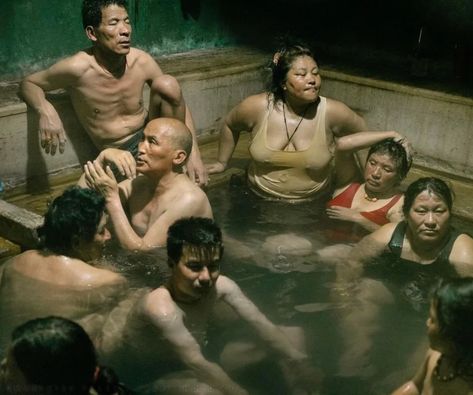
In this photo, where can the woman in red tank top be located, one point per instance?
(378, 200)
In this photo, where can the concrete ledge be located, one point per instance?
(19, 225)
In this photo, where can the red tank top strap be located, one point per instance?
(345, 198)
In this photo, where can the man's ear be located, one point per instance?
(180, 157)
(90, 33)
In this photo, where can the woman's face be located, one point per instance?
(429, 217)
(303, 80)
(380, 173)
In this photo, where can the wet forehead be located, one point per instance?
(384, 159)
(304, 62)
(160, 132)
(113, 11)
(429, 197)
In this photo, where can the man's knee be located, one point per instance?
(168, 89)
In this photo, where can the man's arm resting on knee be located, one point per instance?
(33, 88)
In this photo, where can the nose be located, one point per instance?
(428, 322)
(376, 172)
(107, 235)
(430, 220)
(204, 275)
(125, 29)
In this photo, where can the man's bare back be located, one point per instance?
(37, 283)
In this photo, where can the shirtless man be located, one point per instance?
(59, 279)
(105, 83)
(164, 331)
(157, 198)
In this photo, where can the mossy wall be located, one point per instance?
(35, 33)
(375, 35)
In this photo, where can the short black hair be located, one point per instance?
(201, 234)
(432, 185)
(396, 151)
(92, 10)
(74, 214)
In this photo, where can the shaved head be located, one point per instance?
(177, 132)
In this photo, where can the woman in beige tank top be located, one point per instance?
(293, 132)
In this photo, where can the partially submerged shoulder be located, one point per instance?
(97, 277)
(462, 255)
(159, 305)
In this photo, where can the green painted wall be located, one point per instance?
(378, 37)
(35, 33)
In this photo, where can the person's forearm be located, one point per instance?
(215, 376)
(35, 97)
(357, 141)
(125, 234)
(227, 143)
(366, 223)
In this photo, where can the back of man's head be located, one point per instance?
(74, 215)
(92, 10)
(200, 234)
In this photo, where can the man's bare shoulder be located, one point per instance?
(140, 55)
(143, 62)
(187, 194)
(159, 305)
(225, 286)
(76, 65)
(97, 277)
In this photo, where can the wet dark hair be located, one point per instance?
(92, 10)
(55, 352)
(430, 184)
(200, 234)
(453, 301)
(396, 151)
(56, 356)
(287, 54)
(74, 214)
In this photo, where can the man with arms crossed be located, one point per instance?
(159, 196)
(105, 83)
(165, 330)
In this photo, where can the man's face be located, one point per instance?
(93, 250)
(156, 151)
(114, 32)
(195, 274)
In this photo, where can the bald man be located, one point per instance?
(141, 210)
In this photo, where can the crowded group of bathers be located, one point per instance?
(63, 308)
